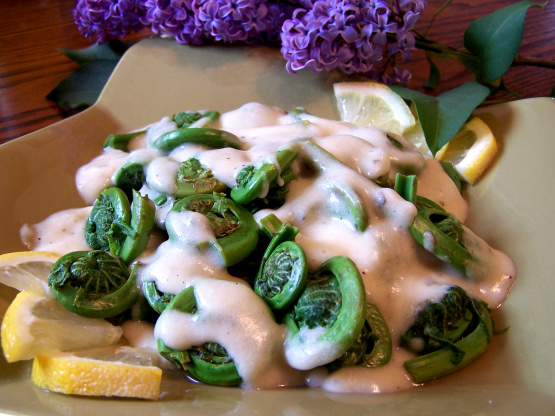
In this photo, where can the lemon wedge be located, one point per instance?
(34, 324)
(471, 151)
(110, 371)
(27, 270)
(372, 103)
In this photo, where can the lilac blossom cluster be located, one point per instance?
(368, 37)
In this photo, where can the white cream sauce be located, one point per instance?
(398, 274)
(232, 315)
(61, 232)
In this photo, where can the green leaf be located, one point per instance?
(97, 62)
(442, 117)
(83, 86)
(111, 51)
(495, 38)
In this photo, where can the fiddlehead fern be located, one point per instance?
(209, 363)
(235, 228)
(156, 299)
(373, 347)
(442, 234)
(449, 334)
(283, 275)
(193, 179)
(108, 223)
(254, 183)
(113, 227)
(94, 284)
(130, 177)
(328, 317)
(284, 267)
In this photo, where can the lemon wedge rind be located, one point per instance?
(88, 374)
(471, 151)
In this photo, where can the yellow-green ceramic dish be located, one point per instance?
(512, 208)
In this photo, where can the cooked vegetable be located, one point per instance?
(276, 194)
(399, 160)
(187, 119)
(121, 141)
(200, 135)
(284, 269)
(142, 222)
(193, 179)
(334, 304)
(344, 201)
(406, 186)
(156, 299)
(208, 363)
(440, 233)
(235, 228)
(129, 177)
(372, 348)
(449, 334)
(94, 284)
(108, 224)
(438, 323)
(255, 183)
(112, 226)
(450, 170)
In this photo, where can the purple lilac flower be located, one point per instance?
(174, 18)
(351, 35)
(233, 21)
(368, 37)
(401, 76)
(407, 13)
(333, 34)
(108, 19)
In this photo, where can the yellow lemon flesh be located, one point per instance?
(34, 324)
(27, 270)
(471, 151)
(110, 371)
(372, 103)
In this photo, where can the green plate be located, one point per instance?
(512, 208)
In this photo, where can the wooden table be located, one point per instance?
(30, 66)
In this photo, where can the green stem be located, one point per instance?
(142, 222)
(406, 186)
(206, 136)
(121, 141)
(381, 352)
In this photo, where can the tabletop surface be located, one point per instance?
(30, 65)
